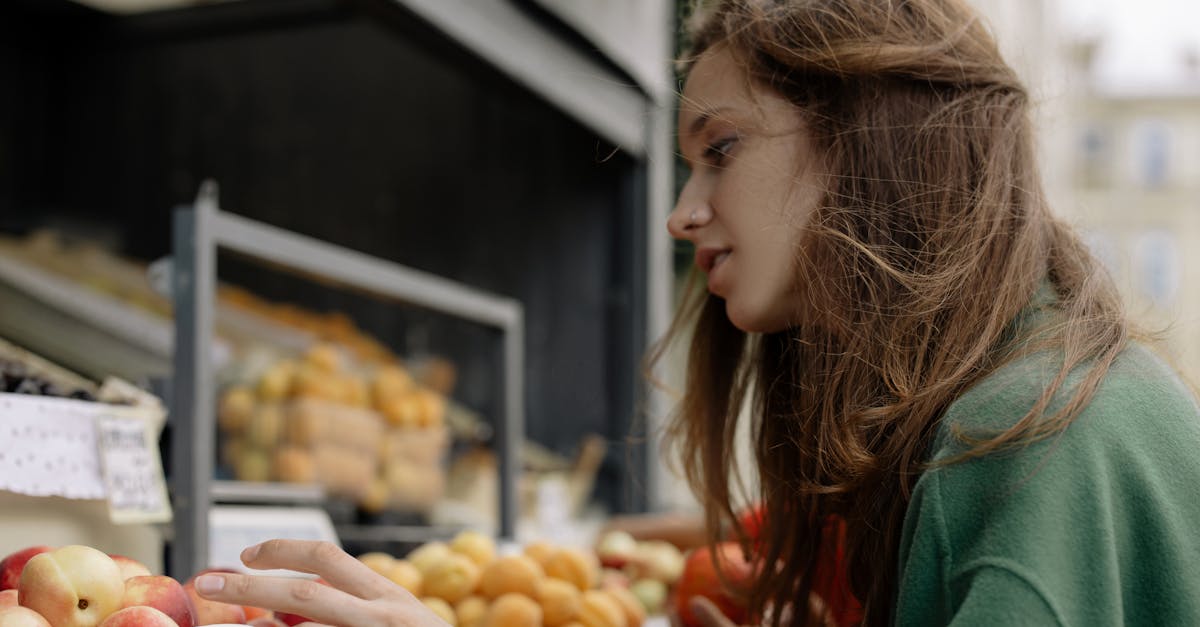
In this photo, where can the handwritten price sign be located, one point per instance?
(132, 470)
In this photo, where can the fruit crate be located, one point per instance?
(200, 231)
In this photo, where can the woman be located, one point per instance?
(932, 357)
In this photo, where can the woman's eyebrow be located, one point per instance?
(701, 120)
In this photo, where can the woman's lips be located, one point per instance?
(707, 259)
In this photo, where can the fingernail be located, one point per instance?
(209, 584)
(250, 553)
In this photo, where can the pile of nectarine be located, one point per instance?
(468, 585)
(79, 586)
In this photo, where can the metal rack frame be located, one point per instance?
(199, 231)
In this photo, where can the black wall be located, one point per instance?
(356, 123)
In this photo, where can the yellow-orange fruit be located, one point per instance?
(252, 465)
(276, 382)
(237, 406)
(540, 552)
(390, 382)
(375, 499)
(471, 611)
(405, 575)
(598, 609)
(452, 579)
(402, 411)
(356, 392)
(575, 566)
(432, 409)
(574, 623)
(514, 610)
(294, 465)
(635, 613)
(442, 609)
(513, 574)
(311, 382)
(561, 602)
(324, 357)
(265, 426)
(379, 562)
(480, 548)
(428, 555)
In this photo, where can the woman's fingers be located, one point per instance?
(708, 614)
(305, 597)
(324, 559)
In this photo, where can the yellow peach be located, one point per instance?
(325, 358)
(237, 406)
(561, 602)
(442, 609)
(405, 575)
(598, 609)
(471, 611)
(513, 574)
(513, 610)
(575, 566)
(635, 613)
(540, 552)
(480, 548)
(428, 555)
(452, 579)
(276, 383)
(379, 562)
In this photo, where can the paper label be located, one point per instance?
(48, 447)
(133, 475)
(233, 528)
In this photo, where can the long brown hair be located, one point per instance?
(933, 236)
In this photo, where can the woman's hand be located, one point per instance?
(355, 597)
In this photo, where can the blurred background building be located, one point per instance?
(1117, 87)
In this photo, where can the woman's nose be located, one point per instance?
(689, 214)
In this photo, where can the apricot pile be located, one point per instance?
(545, 586)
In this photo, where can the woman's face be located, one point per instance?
(754, 182)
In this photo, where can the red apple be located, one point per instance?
(291, 620)
(700, 578)
(75, 586)
(8, 598)
(130, 567)
(11, 566)
(21, 617)
(213, 612)
(267, 621)
(163, 594)
(138, 616)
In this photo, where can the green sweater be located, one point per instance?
(1099, 527)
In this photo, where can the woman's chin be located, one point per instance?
(753, 319)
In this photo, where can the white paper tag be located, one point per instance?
(233, 528)
(133, 475)
(48, 447)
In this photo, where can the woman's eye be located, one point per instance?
(716, 152)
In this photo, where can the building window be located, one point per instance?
(1096, 154)
(1153, 145)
